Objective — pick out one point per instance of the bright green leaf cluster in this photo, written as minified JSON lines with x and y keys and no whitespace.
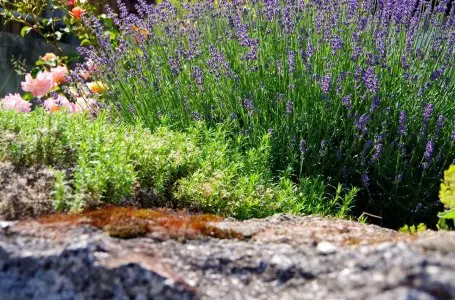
{"x":447,"y":193}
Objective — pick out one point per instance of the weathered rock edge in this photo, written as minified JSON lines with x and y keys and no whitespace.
{"x":284,"y":257}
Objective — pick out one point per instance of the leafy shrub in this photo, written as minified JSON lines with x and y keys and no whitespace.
{"x":358,"y":92}
{"x":97,"y":160}
{"x":447,"y":194}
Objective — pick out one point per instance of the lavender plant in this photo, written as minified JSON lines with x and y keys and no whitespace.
{"x":359,"y":92}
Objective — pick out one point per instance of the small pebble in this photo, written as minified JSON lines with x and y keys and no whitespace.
{"x":326,"y":248}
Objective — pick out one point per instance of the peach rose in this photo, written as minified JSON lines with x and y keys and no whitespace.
{"x":97,"y":87}
{"x":85,"y":104}
{"x":59,"y":73}
{"x":77,"y":12}
{"x":39,"y":86}
{"x":49,"y":57}
{"x":15,"y":102}
{"x":61,"y":102}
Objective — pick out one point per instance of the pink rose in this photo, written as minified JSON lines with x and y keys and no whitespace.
{"x":39,"y":86}
{"x":15,"y":102}
{"x":84,"y":74}
{"x":59,"y":73}
{"x":61,"y":102}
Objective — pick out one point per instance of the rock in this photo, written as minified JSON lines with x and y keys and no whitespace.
{"x":326,"y":248}
{"x":288,"y":257}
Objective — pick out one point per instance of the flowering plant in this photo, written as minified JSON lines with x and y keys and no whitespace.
{"x":54,"y":28}
{"x":48,"y":86}
{"x":358,"y":92}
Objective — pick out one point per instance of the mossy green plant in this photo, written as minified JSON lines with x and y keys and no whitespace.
{"x":100,"y":160}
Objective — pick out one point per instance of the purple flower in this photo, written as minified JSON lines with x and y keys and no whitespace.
{"x":54,"y":95}
{"x":437,"y":74}
{"x":198,"y":75}
{"x":429,"y":149}
{"x":402,"y":121}
{"x":399,"y":178}
{"x":288,"y":24}
{"x":309,"y":49}
{"x":365,"y":179}
{"x":325,"y":83}
{"x":249,"y":105}
{"x":378,"y":150}
{"x":404,"y":62}
{"x":427,"y":112}
{"x":370,"y":80}
{"x":375,"y":104}
{"x":361,"y":123}
{"x":174,"y":65}
{"x":291,"y":61}
{"x":303,"y":146}
{"x":289,"y":108}
{"x":336,"y":44}
{"x":347,"y":101}
{"x":452,"y":136}
{"x":356,"y":52}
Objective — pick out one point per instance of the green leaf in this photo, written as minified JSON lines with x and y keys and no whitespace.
{"x":447,"y":214}
{"x":35,"y":72}
{"x":27,"y":96}
{"x":85,"y":42}
{"x":25,"y":30}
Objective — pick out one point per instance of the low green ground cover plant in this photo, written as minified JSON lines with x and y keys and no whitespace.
{"x":99,"y":160}
{"x":447,"y":194}
{"x":358,"y":92}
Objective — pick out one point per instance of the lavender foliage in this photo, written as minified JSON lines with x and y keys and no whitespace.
{"x":392,"y":68}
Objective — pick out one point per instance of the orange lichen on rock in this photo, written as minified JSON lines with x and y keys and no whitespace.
{"x":125,"y":222}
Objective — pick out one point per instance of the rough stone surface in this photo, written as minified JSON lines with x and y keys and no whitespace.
{"x":280,"y":258}
{"x":24,"y":192}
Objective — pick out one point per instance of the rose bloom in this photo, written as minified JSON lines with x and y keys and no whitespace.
{"x":61,"y":102}
{"x":97,"y":87}
{"x":59,"y":73}
{"x":49,"y":57}
{"x":77,"y":12}
{"x":39,"y":86}
{"x":85,"y":104}
{"x":71,"y":2}
{"x":15,"y":102}
{"x":84,"y":74}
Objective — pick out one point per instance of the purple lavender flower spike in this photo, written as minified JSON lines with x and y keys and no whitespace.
{"x":402,"y":120}
{"x":325,"y":83}
{"x":303,"y":146}
{"x":365,"y":179}
{"x":347,"y":102}
{"x":371,"y":80}
{"x":399,"y":178}
{"x":249,"y":106}
{"x":336,"y":44}
{"x":291,"y":61}
{"x":198,"y":76}
{"x":427,"y":112}
{"x":289,"y":108}
{"x":429,"y":149}
{"x":378,"y":151}
{"x":361,"y":123}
